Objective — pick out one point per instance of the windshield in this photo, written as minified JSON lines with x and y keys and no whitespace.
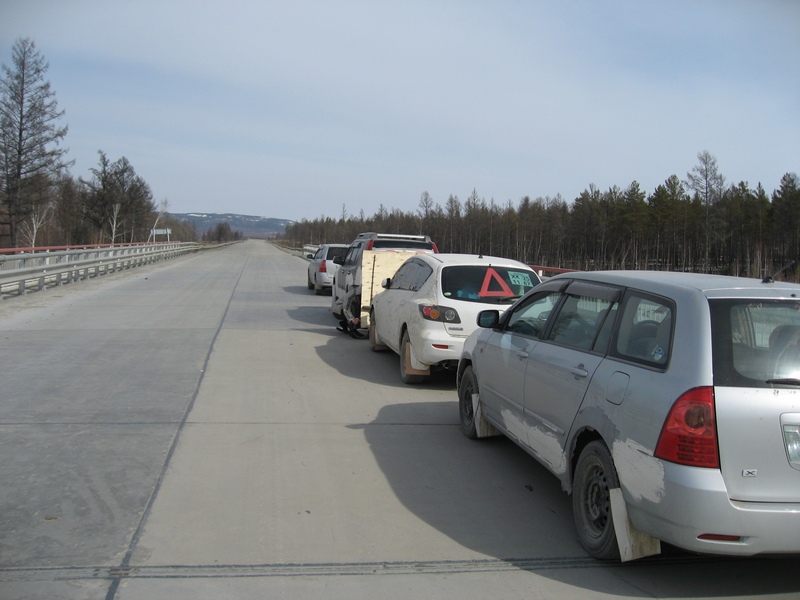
{"x":486,"y":283}
{"x":756,"y":343}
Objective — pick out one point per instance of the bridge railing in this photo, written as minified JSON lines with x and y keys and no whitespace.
{"x":31,"y":269}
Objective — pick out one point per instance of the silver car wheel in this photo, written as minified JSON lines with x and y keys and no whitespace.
{"x":466,"y":388}
{"x":595,"y":477}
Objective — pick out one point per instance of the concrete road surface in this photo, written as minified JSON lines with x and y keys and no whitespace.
{"x":198,"y":429}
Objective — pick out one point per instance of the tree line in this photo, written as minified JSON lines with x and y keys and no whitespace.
{"x":693,"y":224}
{"x":41,"y":203}
{"x":696,"y":224}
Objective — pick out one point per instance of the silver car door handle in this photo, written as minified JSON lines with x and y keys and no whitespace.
{"x":579,"y":371}
{"x":522,"y":355}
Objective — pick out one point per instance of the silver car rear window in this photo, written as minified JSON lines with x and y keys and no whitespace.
{"x":756,"y":343}
{"x":336,"y":251}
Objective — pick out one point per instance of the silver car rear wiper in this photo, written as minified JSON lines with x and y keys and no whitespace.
{"x":785,"y":381}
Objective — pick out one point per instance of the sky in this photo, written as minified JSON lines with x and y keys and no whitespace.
{"x":302,"y":109}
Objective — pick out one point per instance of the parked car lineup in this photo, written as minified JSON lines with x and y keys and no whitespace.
{"x":347,"y":285}
{"x":322,"y":266}
{"x":428,"y":308}
{"x":667,"y":402}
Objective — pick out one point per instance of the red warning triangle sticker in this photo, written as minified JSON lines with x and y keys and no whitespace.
{"x":493,"y":277}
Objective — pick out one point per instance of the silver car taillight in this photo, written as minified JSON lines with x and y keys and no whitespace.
{"x":791,"y":435}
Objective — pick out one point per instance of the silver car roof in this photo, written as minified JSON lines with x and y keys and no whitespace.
{"x":669,"y":283}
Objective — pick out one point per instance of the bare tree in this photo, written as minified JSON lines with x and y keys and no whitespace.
{"x":29,"y":132}
{"x":113,"y":221}
{"x":162,"y":209}
{"x":41,"y":211}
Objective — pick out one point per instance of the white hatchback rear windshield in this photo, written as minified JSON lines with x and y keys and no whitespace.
{"x":486,"y":283}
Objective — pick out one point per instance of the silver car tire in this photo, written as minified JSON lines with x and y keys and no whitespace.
{"x":467,"y":387}
{"x":405,"y":350}
{"x":595,"y":476}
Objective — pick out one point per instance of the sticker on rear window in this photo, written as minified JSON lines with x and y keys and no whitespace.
{"x":520,"y":278}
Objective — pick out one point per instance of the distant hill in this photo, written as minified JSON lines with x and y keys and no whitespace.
{"x":247,"y":225}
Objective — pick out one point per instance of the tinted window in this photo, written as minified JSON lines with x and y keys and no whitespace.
{"x":333,"y":252}
{"x":354,"y":253}
{"x":755,"y":341}
{"x":486,"y":283}
{"x":645,"y":330}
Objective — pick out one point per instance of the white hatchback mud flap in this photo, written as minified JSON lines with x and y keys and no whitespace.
{"x":633,"y":544}
{"x":413,"y":366}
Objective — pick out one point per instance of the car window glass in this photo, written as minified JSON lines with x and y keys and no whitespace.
{"x":401,"y":278}
{"x":604,"y":335}
{"x":645,"y":330}
{"x":531,"y":317}
{"x":335,"y":251}
{"x":420,"y":275}
{"x":476,"y":283}
{"x":755,"y":341}
{"x":411,"y":244}
{"x":353,"y":252}
{"x":578,"y":321}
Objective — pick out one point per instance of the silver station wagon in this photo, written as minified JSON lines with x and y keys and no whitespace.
{"x":668,"y":405}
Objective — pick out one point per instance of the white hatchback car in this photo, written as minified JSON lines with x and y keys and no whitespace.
{"x":667,"y":404}
{"x":429,"y":307}
{"x":322,"y":268}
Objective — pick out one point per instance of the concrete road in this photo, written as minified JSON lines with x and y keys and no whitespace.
{"x":198,"y":429}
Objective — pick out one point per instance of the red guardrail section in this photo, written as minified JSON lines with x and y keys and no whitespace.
{"x":550,"y":270}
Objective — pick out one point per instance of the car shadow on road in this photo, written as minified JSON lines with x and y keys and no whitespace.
{"x":314,"y":315}
{"x":301,"y":290}
{"x":491,"y":497}
{"x":353,"y":358}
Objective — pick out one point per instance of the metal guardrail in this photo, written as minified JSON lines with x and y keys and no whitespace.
{"x":32,"y":269}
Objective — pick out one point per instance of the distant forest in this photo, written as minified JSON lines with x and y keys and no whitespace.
{"x":694,"y":225}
